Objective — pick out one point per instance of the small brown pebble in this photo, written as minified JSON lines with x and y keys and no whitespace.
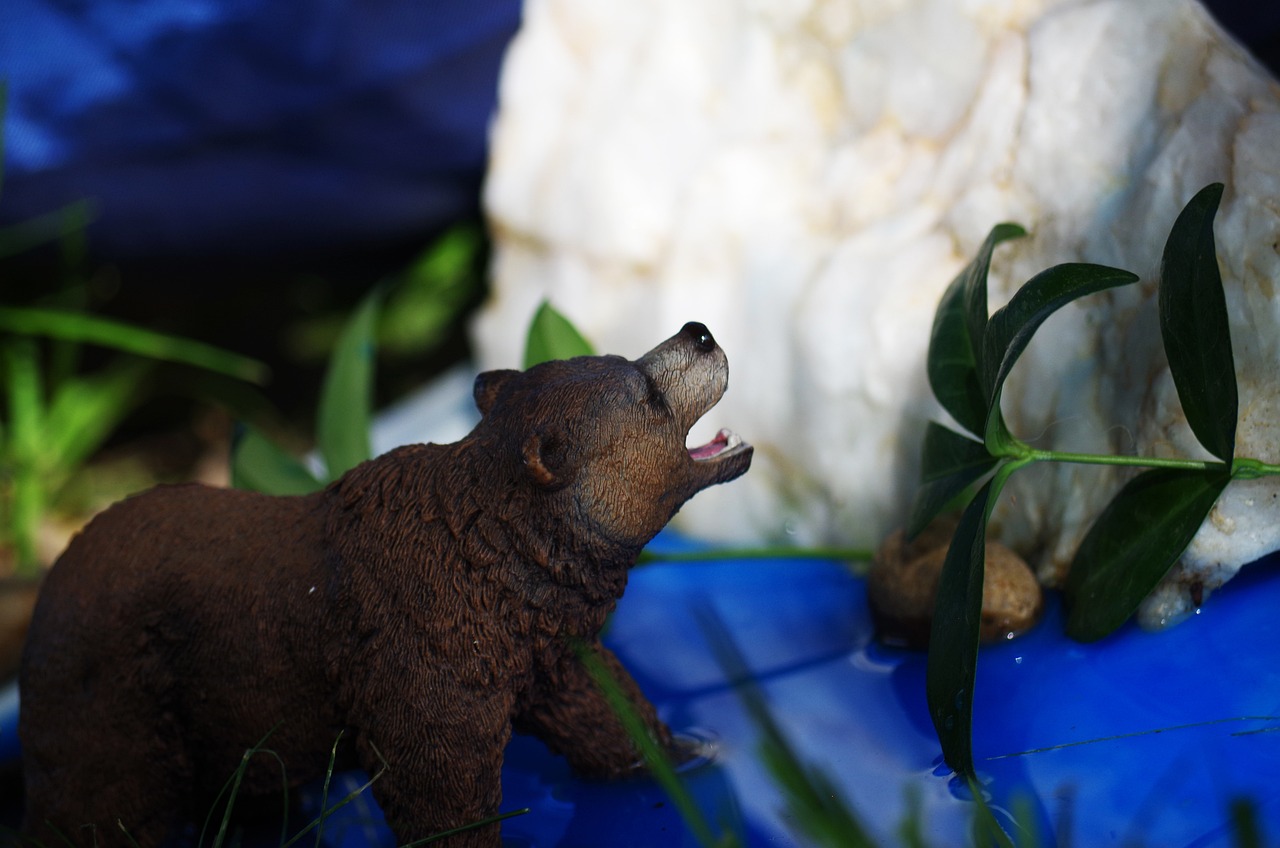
{"x":903,"y":584}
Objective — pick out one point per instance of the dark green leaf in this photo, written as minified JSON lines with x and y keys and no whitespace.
{"x":260,"y":465}
{"x":953,"y":375}
{"x":346,"y":400}
{"x":552,"y":336}
{"x":953,"y":639}
{"x":1135,"y":541}
{"x":1012,"y":326}
{"x":1193,"y":325}
{"x":958,"y":327}
{"x":951,"y":463}
{"x":87,"y":329}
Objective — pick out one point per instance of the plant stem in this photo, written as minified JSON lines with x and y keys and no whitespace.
{"x":1241,"y":467}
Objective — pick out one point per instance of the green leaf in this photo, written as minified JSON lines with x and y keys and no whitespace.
{"x":552,"y":336}
{"x":1193,"y":325}
{"x":86,"y":410}
{"x":953,"y":638}
{"x":1012,"y":326}
{"x":951,"y":462}
{"x":88,"y":329}
{"x":431,"y":294}
{"x":1134,"y":542}
{"x":958,"y":328}
{"x":345,"y":415}
{"x":258,"y":464}
{"x":20,"y":458}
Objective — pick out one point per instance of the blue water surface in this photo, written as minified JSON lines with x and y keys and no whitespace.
{"x":1142,"y":739}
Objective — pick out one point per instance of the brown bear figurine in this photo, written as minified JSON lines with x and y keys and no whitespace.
{"x":417,"y":609}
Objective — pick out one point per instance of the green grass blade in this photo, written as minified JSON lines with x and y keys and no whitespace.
{"x":552,"y":336}
{"x":955,"y":341}
{"x":86,"y":410}
{"x":259,"y":465}
{"x":951,"y":463}
{"x":1133,"y":544}
{"x":432,"y":293}
{"x":43,"y":229}
{"x":813,"y":804}
{"x":346,"y":400}
{"x":89,"y":329}
{"x":1194,"y":328}
{"x":23,"y":458}
{"x":654,"y":756}
{"x":1010,"y":329}
{"x":986,"y":827}
{"x":446,"y":834}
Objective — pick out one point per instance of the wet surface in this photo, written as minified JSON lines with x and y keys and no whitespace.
{"x":1144,"y":738}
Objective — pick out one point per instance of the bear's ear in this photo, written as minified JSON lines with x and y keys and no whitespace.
{"x":487,"y":387}
{"x":546,"y":455}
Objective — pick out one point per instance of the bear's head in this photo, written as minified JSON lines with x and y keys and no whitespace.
{"x":602,"y":440}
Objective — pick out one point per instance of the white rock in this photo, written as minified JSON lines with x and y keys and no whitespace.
{"x":806,"y":176}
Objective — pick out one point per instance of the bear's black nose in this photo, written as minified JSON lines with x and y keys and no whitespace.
{"x":701,"y":336}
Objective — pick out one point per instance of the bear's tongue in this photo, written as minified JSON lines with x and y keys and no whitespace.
{"x":724,"y":440}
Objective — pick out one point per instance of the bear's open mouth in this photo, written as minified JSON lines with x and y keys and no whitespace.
{"x":726,"y":441}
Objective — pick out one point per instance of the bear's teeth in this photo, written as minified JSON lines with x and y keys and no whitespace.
{"x":725,"y":440}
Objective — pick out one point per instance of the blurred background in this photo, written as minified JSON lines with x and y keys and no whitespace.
{"x":241,"y":173}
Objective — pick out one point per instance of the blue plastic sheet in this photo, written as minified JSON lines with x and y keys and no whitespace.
{"x":249,"y":127}
{"x":1141,"y":739}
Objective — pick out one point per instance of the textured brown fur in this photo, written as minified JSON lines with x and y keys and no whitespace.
{"x":419,"y":606}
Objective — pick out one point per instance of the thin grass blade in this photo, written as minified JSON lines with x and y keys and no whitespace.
{"x":654,"y":756}
{"x":1134,"y":542}
{"x":345,"y":415}
{"x":86,"y":410}
{"x":814,"y":804}
{"x":951,"y":463}
{"x":432,"y":293}
{"x":552,"y":336}
{"x":22,"y":456}
{"x":89,"y":329}
{"x":1194,"y":328}
{"x":501,"y":817}
{"x":958,"y":328}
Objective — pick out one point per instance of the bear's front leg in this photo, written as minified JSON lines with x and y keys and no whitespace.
{"x":566,"y":709}
{"x":436,"y":759}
